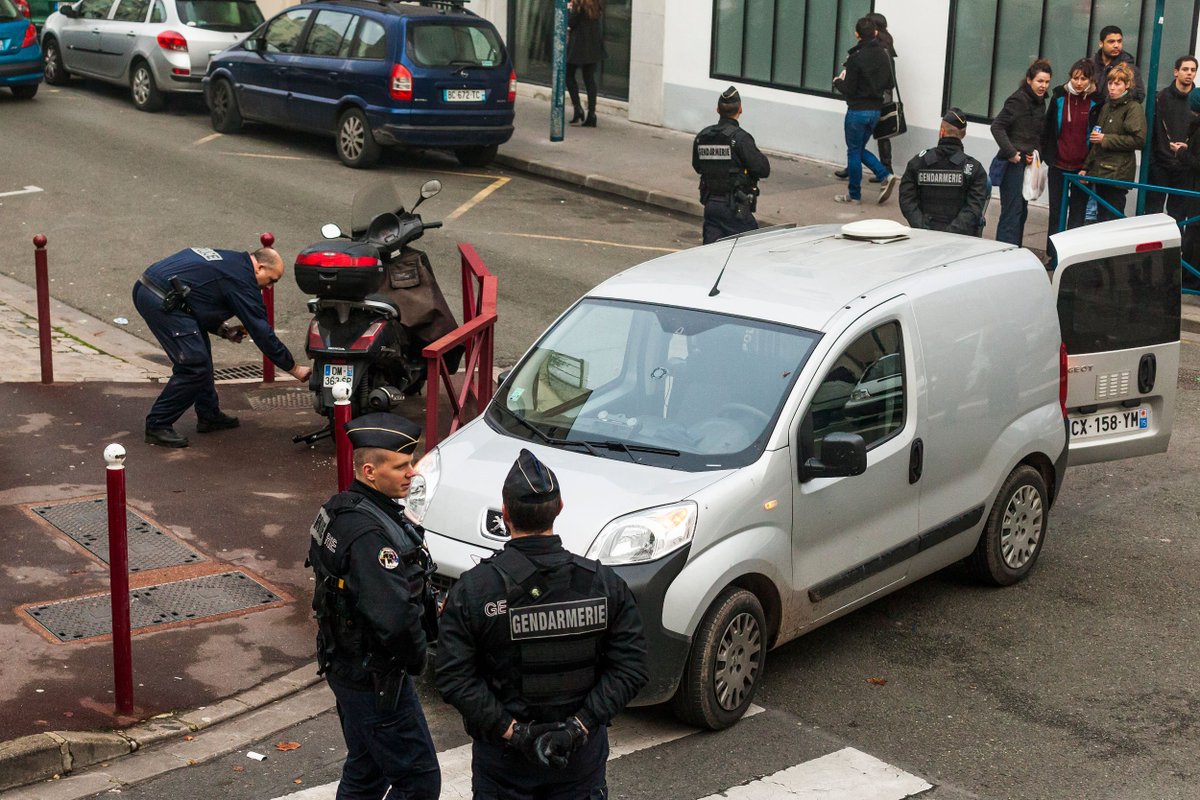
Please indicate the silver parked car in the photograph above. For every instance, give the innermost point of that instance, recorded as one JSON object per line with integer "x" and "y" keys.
{"x": 152, "y": 46}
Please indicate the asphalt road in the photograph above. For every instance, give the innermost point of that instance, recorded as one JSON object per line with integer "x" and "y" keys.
{"x": 1077, "y": 683}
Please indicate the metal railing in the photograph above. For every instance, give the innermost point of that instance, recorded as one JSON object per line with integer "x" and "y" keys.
{"x": 480, "y": 289}
{"x": 1071, "y": 179}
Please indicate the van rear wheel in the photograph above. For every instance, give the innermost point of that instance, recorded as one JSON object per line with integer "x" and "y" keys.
{"x": 356, "y": 146}
{"x": 1015, "y": 531}
{"x": 725, "y": 663}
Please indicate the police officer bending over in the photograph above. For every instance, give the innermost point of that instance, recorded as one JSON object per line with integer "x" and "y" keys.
{"x": 375, "y": 614}
{"x": 539, "y": 650}
{"x": 944, "y": 189}
{"x": 730, "y": 167}
{"x": 183, "y": 299}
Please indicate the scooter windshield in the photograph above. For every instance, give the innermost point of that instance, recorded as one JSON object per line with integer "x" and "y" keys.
{"x": 378, "y": 197}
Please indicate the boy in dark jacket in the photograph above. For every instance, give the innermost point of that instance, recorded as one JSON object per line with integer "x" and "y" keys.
{"x": 863, "y": 81}
{"x": 1171, "y": 120}
{"x": 1110, "y": 53}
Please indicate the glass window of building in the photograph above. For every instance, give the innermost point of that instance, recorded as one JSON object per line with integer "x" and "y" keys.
{"x": 993, "y": 42}
{"x": 786, "y": 44}
{"x": 531, "y": 43}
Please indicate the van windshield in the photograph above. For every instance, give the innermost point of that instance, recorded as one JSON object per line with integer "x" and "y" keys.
{"x": 659, "y": 385}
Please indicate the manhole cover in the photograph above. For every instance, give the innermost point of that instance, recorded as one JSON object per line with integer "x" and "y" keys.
{"x": 86, "y": 522}
{"x": 1189, "y": 379}
{"x": 152, "y": 606}
{"x": 242, "y": 372}
{"x": 280, "y": 398}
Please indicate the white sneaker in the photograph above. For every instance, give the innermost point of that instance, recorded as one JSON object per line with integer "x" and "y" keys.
{"x": 845, "y": 198}
{"x": 889, "y": 185}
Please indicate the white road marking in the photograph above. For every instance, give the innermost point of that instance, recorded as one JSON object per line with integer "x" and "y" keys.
{"x": 206, "y": 139}
{"x": 264, "y": 155}
{"x": 588, "y": 241}
{"x": 848, "y": 774}
{"x": 26, "y": 190}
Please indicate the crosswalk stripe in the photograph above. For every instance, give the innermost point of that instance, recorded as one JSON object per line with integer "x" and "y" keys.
{"x": 846, "y": 774}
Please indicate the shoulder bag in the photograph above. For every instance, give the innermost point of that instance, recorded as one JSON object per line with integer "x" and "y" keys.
{"x": 891, "y": 115}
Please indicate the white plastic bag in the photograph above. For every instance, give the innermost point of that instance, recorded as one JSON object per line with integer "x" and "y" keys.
{"x": 1035, "y": 178}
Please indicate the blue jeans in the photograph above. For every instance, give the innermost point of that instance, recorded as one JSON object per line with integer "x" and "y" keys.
{"x": 1014, "y": 208}
{"x": 859, "y": 126}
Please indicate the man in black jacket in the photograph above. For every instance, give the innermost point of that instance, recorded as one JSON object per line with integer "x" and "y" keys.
{"x": 539, "y": 649}
{"x": 375, "y": 614}
{"x": 1111, "y": 53}
{"x": 730, "y": 166}
{"x": 867, "y": 75}
{"x": 944, "y": 189}
{"x": 1171, "y": 120}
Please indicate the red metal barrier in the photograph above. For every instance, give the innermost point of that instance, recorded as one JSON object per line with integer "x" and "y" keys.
{"x": 268, "y": 295}
{"x": 118, "y": 574}
{"x": 42, "y": 274}
{"x": 345, "y": 452}
{"x": 477, "y": 335}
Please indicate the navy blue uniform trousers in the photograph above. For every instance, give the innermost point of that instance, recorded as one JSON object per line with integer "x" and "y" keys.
{"x": 721, "y": 221}
{"x": 501, "y": 773}
{"x": 190, "y": 351}
{"x": 386, "y": 749}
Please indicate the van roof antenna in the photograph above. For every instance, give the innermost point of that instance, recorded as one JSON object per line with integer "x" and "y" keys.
{"x": 714, "y": 291}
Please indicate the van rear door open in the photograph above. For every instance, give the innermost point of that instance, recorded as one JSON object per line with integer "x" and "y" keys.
{"x": 1118, "y": 291}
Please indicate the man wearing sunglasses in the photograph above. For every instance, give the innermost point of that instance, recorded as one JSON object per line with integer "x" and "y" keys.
{"x": 184, "y": 298}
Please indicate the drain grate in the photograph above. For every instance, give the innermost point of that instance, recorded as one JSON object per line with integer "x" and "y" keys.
{"x": 154, "y": 606}
{"x": 86, "y": 522}
{"x": 242, "y": 372}
{"x": 271, "y": 399}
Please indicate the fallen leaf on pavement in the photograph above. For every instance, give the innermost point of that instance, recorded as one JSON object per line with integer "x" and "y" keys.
{"x": 68, "y": 713}
{"x": 877, "y": 681}
{"x": 297, "y": 781}
{"x": 283, "y": 747}
{"x": 188, "y": 738}
{"x": 239, "y": 769}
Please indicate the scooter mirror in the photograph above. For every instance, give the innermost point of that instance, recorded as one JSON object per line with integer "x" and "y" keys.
{"x": 430, "y": 188}
{"x": 331, "y": 231}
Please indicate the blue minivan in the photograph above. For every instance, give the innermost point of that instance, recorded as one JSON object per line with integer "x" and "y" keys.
{"x": 20, "y": 54}
{"x": 374, "y": 74}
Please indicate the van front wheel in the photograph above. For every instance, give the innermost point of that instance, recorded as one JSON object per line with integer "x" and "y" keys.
{"x": 725, "y": 663}
{"x": 1015, "y": 531}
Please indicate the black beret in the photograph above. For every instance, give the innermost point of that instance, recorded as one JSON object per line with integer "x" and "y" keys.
{"x": 731, "y": 97}
{"x": 385, "y": 431}
{"x": 955, "y": 119}
{"x": 530, "y": 481}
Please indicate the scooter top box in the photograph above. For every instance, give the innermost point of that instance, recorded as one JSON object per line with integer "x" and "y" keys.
{"x": 339, "y": 270}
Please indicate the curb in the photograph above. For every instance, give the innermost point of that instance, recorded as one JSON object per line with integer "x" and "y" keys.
{"x": 42, "y": 756}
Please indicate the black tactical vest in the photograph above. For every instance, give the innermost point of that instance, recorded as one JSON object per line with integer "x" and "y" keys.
{"x": 941, "y": 186}
{"x": 718, "y": 166}
{"x": 547, "y": 658}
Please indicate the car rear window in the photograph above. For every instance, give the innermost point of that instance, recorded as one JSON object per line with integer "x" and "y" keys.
{"x": 433, "y": 44}
{"x": 8, "y": 11}
{"x": 1121, "y": 302}
{"x": 235, "y": 16}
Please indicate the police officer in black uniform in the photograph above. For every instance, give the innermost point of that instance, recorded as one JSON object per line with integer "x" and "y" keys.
{"x": 375, "y": 615}
{"x": 944, "y": 189}
{"x": 730, "y": 166}
{"x": 183, "y": 299}
{"x": 539, "y": 649}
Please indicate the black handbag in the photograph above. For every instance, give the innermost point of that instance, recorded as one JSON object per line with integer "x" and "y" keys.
{"x": 891, "y": 114}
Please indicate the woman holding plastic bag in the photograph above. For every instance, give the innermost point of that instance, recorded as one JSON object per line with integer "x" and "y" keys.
{"x": 1119, "y": 132}
{"x": 1017, "y": 130}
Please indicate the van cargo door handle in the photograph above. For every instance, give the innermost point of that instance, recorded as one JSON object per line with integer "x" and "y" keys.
{"x": 1147, "y": 371}
{"x": 916, "y": 460}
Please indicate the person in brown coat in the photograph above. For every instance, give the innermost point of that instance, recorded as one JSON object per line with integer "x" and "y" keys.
{"x": 585, "y": 51}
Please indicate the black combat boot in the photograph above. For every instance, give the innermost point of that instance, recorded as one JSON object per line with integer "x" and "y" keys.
{"x": 165, "y": 437}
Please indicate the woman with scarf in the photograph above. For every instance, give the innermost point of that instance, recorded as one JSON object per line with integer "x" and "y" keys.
{"x": 1017, "y": 129}
{"x": 1119, "y": 132}
{"x": 1065, "y": 143}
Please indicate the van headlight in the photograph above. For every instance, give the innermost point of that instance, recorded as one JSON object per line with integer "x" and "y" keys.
{"x": 645, "y": 535}
{"x": 424, "y": 484}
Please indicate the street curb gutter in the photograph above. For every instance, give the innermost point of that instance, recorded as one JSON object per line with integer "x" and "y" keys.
{"x": 41, "y": 756}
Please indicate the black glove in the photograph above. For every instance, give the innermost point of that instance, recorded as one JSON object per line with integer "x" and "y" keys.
{"x": 555, "y": 747}
{"x": 525, "y": 736}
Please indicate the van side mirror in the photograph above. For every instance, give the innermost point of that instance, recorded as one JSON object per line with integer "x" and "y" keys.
{"x": 842, "y": 455}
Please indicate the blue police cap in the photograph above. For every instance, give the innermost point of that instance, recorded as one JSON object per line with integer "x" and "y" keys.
{"x": 530, "y": 480}
{"x": 385, "y": 431}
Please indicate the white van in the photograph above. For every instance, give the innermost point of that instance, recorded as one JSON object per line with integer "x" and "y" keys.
{"x": 766, "y": 433}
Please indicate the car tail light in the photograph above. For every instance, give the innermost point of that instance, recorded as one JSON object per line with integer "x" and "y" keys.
{"x": 401, "y": 83}
{"x": 512, "y": 86}
{"x": 315, "y": 340}
{"x": 30, "y": 36}
{"x": 364, "y": 342}
{"x": 333, "y": 259}
{"x": 1062, "y": 378}
{"x": 1146, "y": 247}
{"x": 170, "y": 40}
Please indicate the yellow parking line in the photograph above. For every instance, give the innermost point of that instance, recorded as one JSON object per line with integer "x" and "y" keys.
{"x": 591, "y": 241}
{"x": 206, "y": 139}
{"x": 479, "y": 197}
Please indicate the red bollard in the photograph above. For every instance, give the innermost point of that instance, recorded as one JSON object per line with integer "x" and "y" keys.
{"x": 118, "y": 572}
{"x": 345, "y": 452}
{"x": 268, "y": 295}
{"x": 43, "y": 307}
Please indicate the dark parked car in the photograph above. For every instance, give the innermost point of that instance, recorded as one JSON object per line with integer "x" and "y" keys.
{"x": 373, "y": 74}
